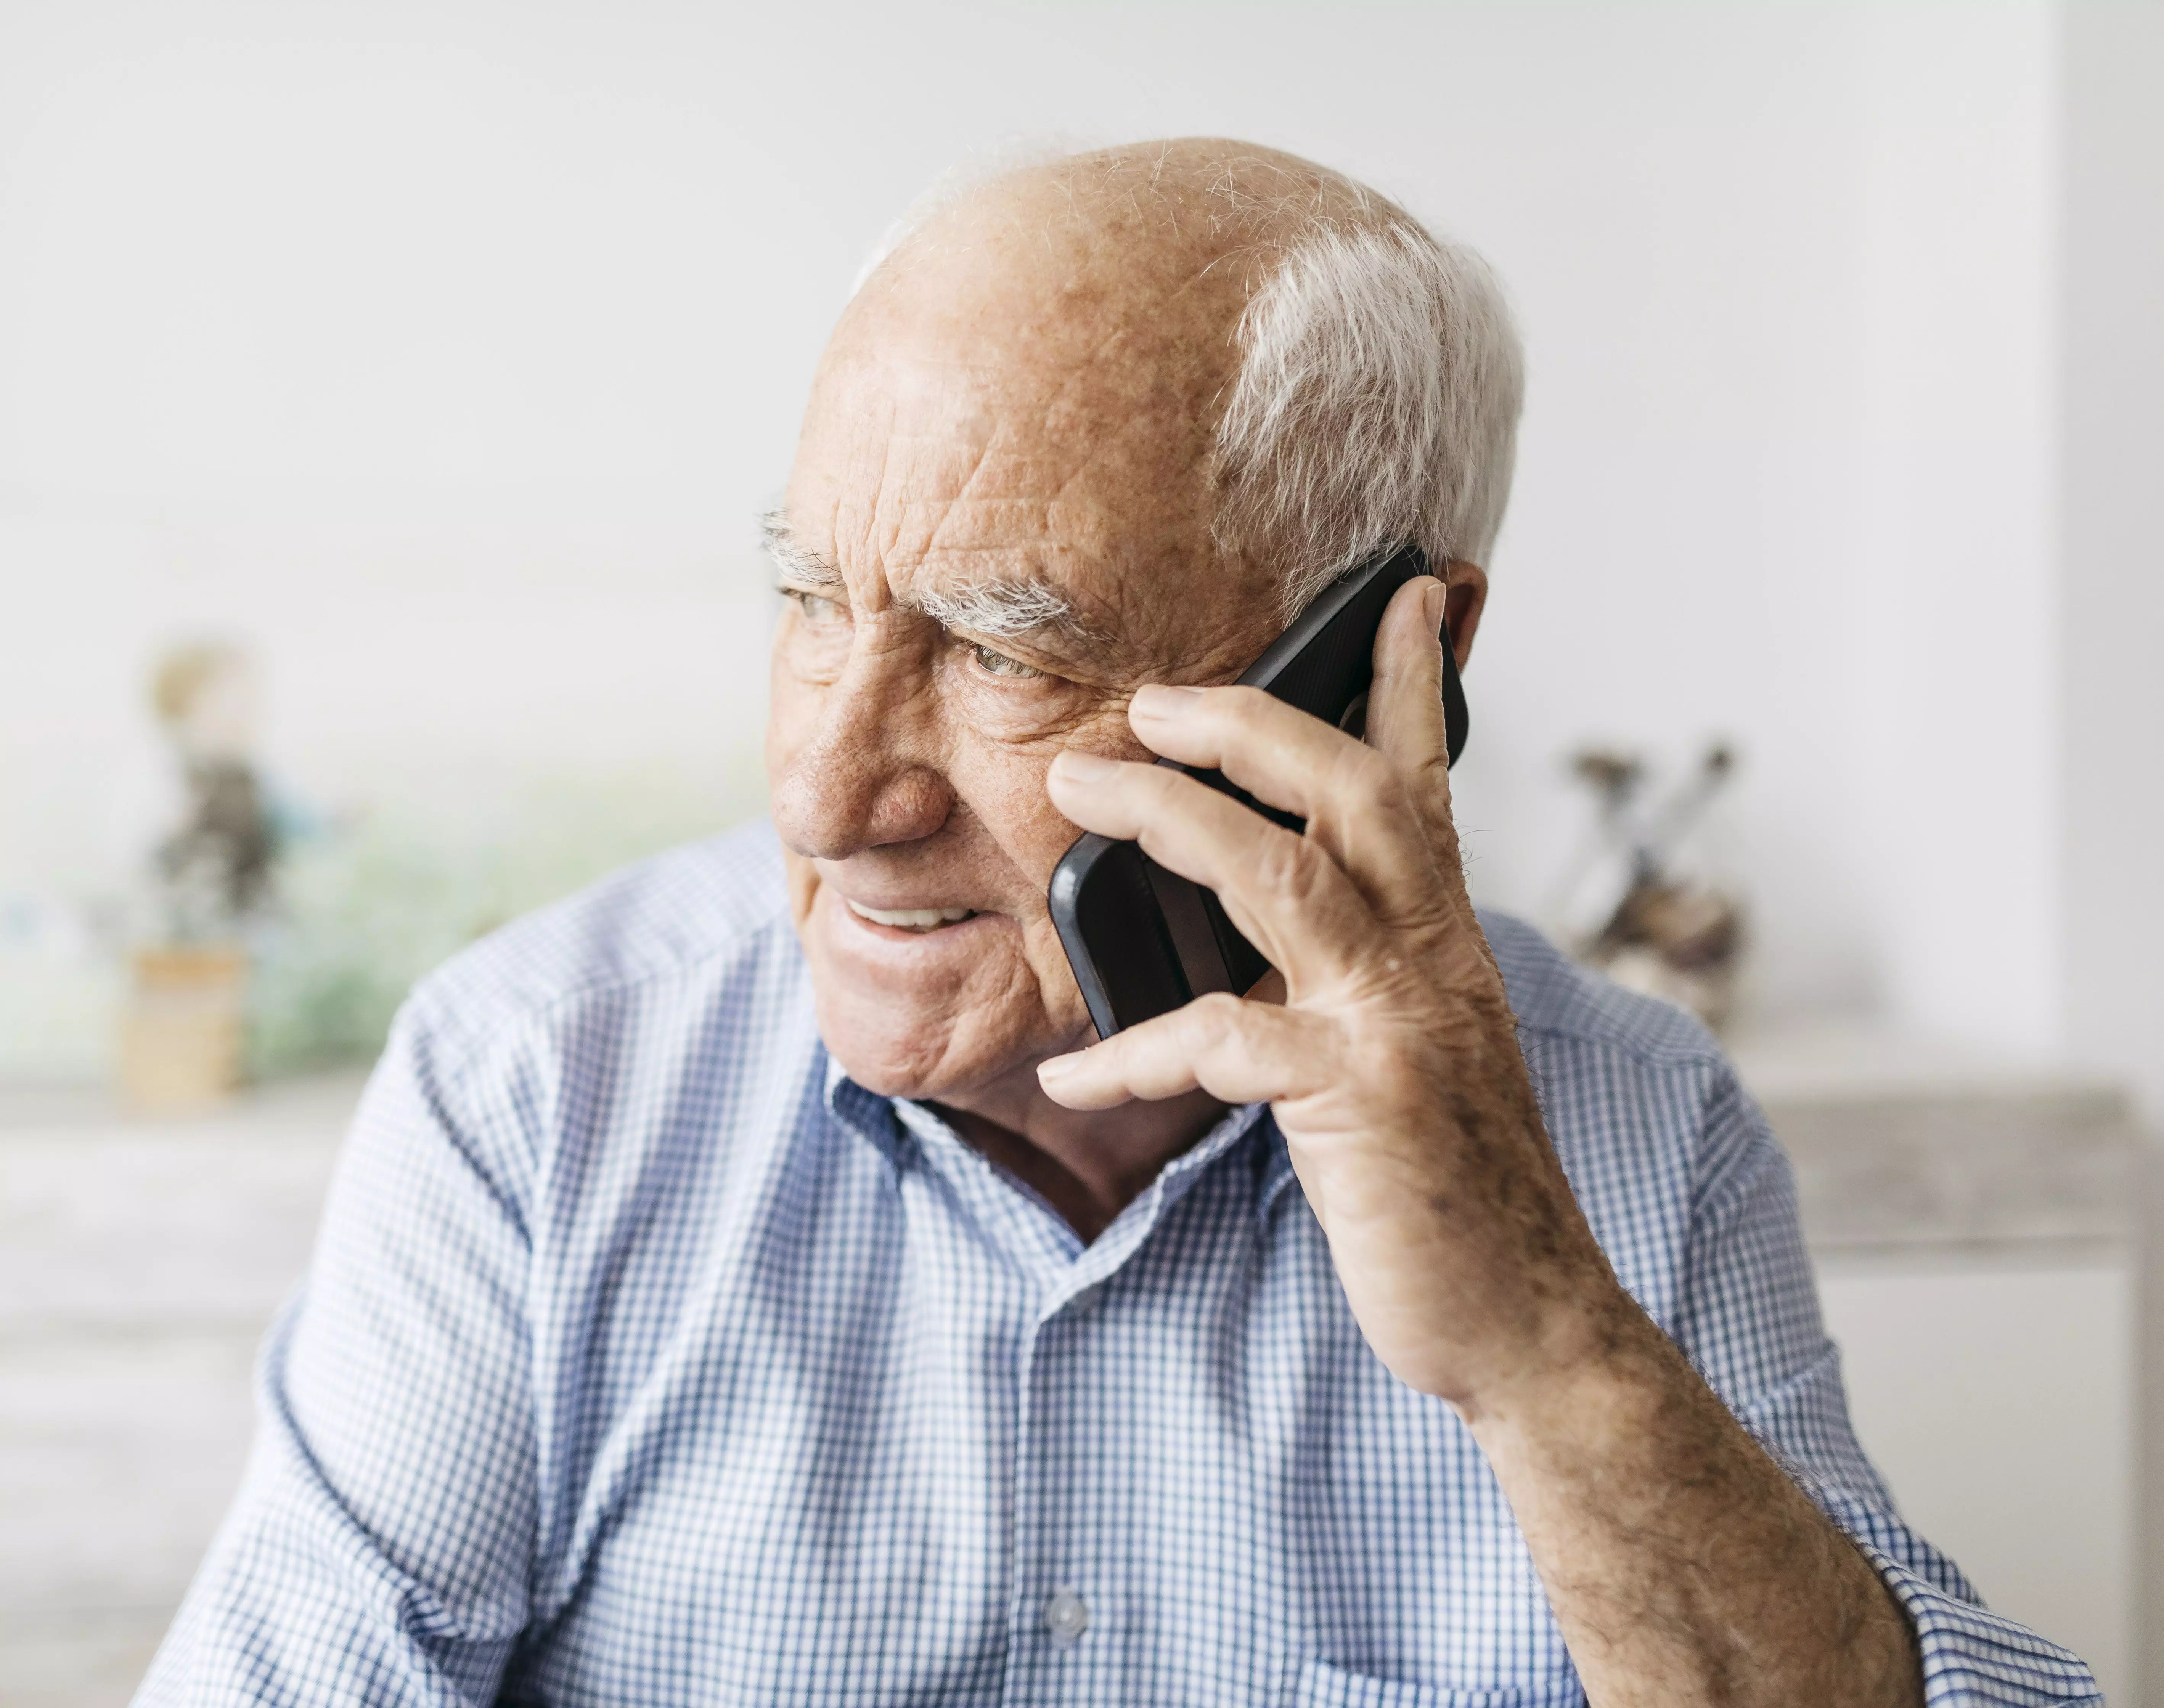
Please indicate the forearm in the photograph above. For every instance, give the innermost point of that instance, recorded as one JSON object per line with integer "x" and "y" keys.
{"x": 1684, "y": 1566}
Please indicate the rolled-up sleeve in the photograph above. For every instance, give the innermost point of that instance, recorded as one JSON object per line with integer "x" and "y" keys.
{"x": 1749, "y": 1319}
{"x": 380, "y": 1548}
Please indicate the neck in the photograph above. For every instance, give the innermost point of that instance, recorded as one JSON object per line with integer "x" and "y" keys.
{"x": 1088, "y": 1165}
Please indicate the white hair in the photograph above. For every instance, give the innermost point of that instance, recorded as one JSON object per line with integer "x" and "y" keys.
{"x": 1002, "y": 610}
{"x": 1381, "y": 379}
{"x": 999, "y": 610}
{"x": 1376, "y": 404}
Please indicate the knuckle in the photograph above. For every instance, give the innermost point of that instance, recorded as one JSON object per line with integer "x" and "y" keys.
{"x": 1289, "y": 866}
{"x": 1430, "y": 780}
{"x": 1242, "y": 717}
{"x": 1239, "y": 704}
{"x": 1216, "y": 1018}
{"x": 1362, "y": 781}
{"x": 1162, "y": 785}
{"x": 1362, "y": 770}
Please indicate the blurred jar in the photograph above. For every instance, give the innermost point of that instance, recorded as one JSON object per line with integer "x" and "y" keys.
{"x": 184, "y": 1028}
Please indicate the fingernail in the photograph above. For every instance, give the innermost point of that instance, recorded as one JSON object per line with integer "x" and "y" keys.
{"x": 1157, "y": 700}
{"x": 1084, "y": 768}
{"x": 1057, "y": 1066}
{"x": 1432, "y": 603}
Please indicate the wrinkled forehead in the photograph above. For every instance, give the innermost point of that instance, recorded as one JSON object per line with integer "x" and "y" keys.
{"x": 1000, "y": 417}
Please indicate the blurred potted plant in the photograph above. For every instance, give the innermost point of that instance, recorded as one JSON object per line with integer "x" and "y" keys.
{"x": 1668, "y": 935}
{"x": 183, "y": 1031}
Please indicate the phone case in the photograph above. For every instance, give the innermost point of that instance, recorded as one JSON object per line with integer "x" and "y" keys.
{"x": 1144, "y": 940}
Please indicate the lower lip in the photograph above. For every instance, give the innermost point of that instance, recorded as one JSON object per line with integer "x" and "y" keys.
{"x": 942, "y": 937}
{"x": 903, "y": 970}
{"x": 904, "y": 934}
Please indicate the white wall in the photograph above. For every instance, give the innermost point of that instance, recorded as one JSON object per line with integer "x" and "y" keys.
{"x": 1956, "y": 719}
{"x": 2112, "y": 613}
{"x": 1997, "y": 1399}
{"x": 447, "y": 350}
{"x": 2112, "y": 538}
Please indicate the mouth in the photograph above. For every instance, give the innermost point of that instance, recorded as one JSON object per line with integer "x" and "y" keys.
{"x": 913, "y": 919}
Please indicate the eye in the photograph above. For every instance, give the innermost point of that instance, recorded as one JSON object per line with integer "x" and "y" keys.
{"x": 994, "y": 663}
{"x": 816, "y": 607}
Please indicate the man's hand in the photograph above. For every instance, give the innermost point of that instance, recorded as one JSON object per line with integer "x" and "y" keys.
{"x": 1392, "y": 1065}
{"x": 1683, "y": 1565}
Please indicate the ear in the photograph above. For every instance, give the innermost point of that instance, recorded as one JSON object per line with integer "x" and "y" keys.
{"x": 1465, "y": 599}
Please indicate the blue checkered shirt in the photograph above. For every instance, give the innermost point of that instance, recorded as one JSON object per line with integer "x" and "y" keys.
{"x": 647, "y": 1359}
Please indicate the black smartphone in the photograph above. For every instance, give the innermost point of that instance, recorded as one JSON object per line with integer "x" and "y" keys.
{"x": 1144, "y": 940}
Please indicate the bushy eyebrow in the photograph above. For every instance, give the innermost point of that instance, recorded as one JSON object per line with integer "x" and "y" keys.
{"x": 798, "y": 562}
{"x": 996, "y": 610}
{"x": 1003, "y": 610}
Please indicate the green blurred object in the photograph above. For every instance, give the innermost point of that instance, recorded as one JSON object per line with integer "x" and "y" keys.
{"x": 368, "y": 907}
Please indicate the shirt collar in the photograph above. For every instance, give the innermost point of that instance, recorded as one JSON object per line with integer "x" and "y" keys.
{"x": 873, "y": 1117}
{"x": 864, "y": 1113}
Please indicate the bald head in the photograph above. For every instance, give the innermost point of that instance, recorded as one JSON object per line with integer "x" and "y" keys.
{"x": 1092, "y": 303}
{"x": 1176, "y": 209}
{"x": 1337, "y": 380}
{"x": 1125, "y": 269}
{"x": 1189, "y": 228}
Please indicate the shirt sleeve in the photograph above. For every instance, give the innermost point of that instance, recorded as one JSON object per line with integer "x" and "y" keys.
{"x": 380, "y": 1548}
{"x": 1748, "y": 1317}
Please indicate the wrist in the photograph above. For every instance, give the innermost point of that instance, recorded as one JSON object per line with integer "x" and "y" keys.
{"x": 1598, "y": 1364}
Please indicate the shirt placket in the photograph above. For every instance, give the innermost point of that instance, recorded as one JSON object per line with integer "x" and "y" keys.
{"x": 1068, "y": 1598}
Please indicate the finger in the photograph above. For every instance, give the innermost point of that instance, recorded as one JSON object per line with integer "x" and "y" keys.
{"x": 1406, "y": 723}
{"x": 1240, "y": 1052}
{"x": 1355, "y": 805}
{"x": 1283, "y": 891}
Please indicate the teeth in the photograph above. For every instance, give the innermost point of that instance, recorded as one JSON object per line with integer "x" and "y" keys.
{"x": 911, "y": 919}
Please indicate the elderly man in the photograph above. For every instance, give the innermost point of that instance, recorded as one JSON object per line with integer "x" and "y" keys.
{"x": 743, "y": 1285}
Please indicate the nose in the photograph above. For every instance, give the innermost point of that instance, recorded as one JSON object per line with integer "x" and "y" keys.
{"x": 859, "y": 778}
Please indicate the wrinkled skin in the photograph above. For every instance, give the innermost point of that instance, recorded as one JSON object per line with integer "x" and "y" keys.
{"x": 1030, "y": 399}
{"x": 1394, "y": 1044}
{"x": 1027, "y": 393}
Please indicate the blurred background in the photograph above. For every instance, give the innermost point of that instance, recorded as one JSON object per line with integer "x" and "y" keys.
{"x": 387, "y": 393}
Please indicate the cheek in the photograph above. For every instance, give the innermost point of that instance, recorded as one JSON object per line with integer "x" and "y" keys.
{"x": 1005, "y": 786}
{"x": 788, "y": 713}
{"x": 1009, "y": 797}
{"x": 1066, "y": 1015}
{"x": 803, "y": 880}
{"x": 796, "y": 711}
{"x": 1004, "y": 790}
{"x": 1019, "y": 812}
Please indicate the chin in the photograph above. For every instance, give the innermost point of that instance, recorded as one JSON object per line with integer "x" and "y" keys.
{"x": 938, "y": 1015}
{"x": 897, "y": 1049}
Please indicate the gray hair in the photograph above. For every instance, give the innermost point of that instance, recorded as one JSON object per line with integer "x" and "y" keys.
{"x": 1379, "y": 383}
{"x": 1377, "y": 403}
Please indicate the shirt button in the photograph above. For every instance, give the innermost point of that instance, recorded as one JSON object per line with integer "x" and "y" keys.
{"x": 1067, "y": 1617}
{"x": 1084, "y": 1302}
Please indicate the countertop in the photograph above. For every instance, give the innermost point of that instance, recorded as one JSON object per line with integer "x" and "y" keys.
{"x": 1902, "y": 1142}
